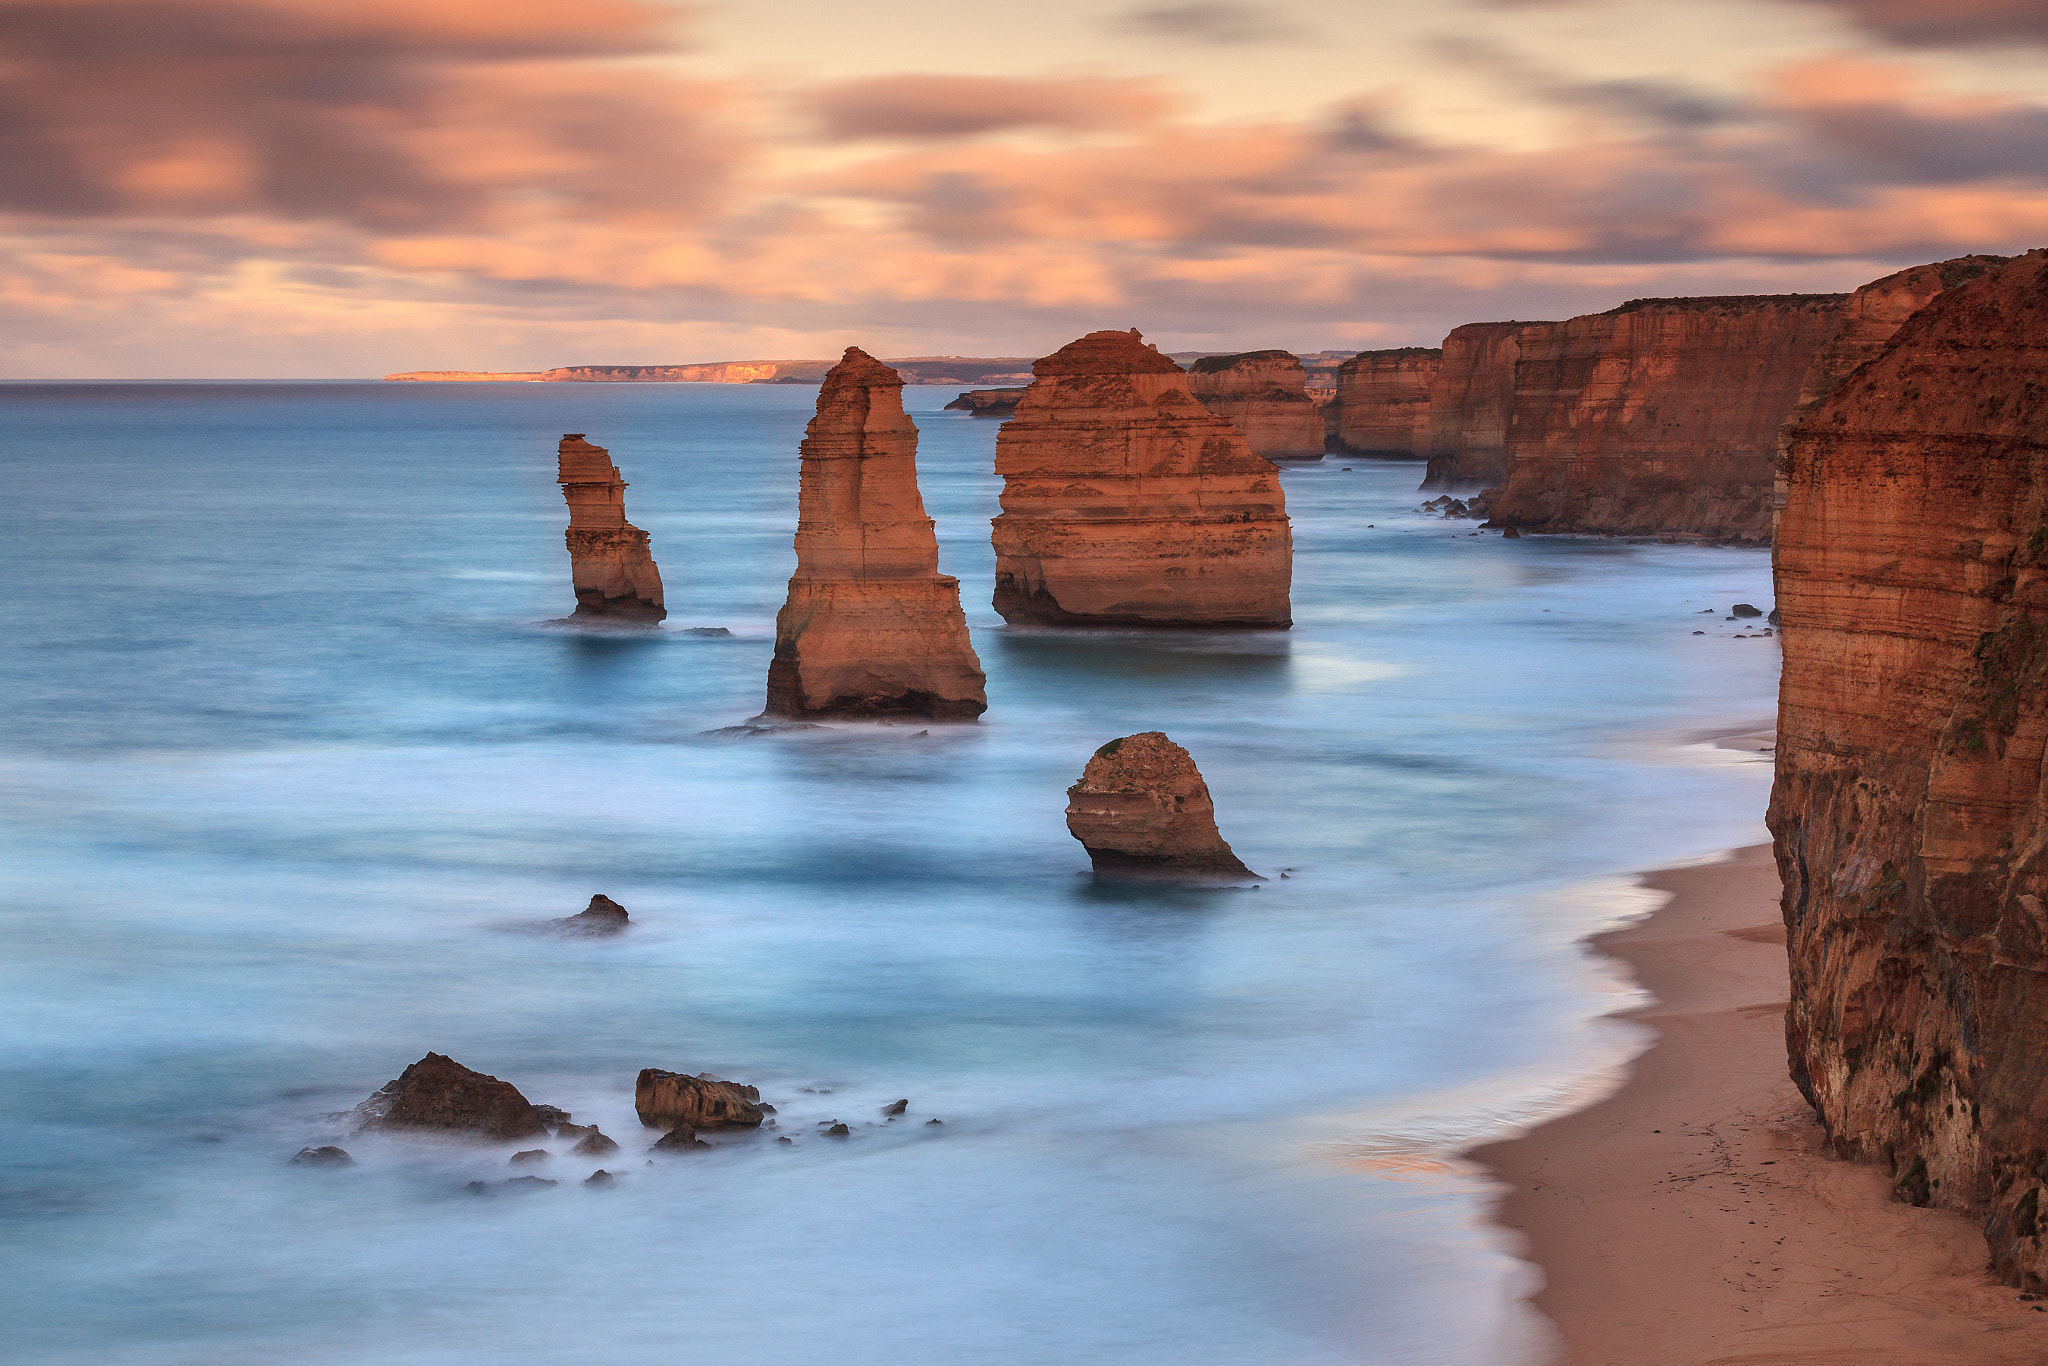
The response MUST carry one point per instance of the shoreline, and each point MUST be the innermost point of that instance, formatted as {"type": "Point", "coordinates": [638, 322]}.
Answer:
{"type": "Point", "coordinates": [1696, 1215]}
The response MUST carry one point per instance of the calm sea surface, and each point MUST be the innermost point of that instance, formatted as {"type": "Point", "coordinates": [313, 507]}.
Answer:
{"type": "Point", "coordinates": [291, 757]}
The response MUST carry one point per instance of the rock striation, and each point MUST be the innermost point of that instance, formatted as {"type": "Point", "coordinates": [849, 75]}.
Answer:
{"type": "Point", "coordinates": [1469, 403]}
{"type": "Point", "coordinates": [615, 576]}
{"type": "Point", "coordinates": [439, 1095]}
{"type": "Point", "coordinates": [1908, 809]}
{"type": "Point", "coordinates": [1127, 503]}
{"type": "Point", "coordinates": [870, 627]}
{"type": "Point", "coordinates": [1141, 807]}
{"type": "Point", "coordinates": [1382, 402]}
{"type": "Point", "coordinates": [666, 1100]}
{"type": "Point", "coordinates": [1659, 416]}
{"type": "Point", "coordinates": [1265, 396]}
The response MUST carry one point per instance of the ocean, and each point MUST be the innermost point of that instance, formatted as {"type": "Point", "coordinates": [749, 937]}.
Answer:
{"type": "Point", "coordinates": [295, 761]}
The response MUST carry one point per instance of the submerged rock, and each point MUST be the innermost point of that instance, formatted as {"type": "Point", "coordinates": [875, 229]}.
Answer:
{"type": "Point", "coordinates": [896, 1107]}
{"type": "Point", "coordinates": [681, 1139]}
{"type": "Point", "coordinates": [601, 917]}
{"type": "Point", "coordinates": [531, 1157]}
{"type": "Point", "coordinates": [667, 1099]}
{"type": "Point", "coordinates": [1141, 807]}
{"type": "Point", "coordinates": [614, 572]}
{"type": "Point", "coordinates": [439, 1095]}
{"type": "Point", "coordinates": [600, 1178]}
{"type": "Point", "coordinates": [329, 1156]}
{"type": "Point", "coordinates": [594, 1144]}
{"type": "Point", "coordinates": [870, 627]}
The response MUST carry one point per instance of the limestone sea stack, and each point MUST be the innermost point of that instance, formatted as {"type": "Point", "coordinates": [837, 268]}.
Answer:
{"type": "Point", "coordinates": [871, 627]}
{"type": "Point", "coordinates": [1912, 571]}
{"type": "Point", "coordinates": [1265, 396]}
{"type": "Point", "coordinates": [1382, 403]}
{"type": "Point", "coordinates": [1469, 403]}
{"type": "Point", "coordinates": [1141, 807]}
{"type": "Point", "coordinates": [1660, 416]}
{"type": "Point", "coordinates": [615, 576]}
{"type": "Point", "coordinates": [1127, 503]}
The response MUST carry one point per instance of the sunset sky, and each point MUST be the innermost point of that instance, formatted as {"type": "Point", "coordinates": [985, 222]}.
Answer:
{"type": "Point", "coordinates": [273, 188]}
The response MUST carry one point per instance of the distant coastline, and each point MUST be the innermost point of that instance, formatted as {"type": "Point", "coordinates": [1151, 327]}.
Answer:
{"type": "Point", "coordinates": [975, 372]}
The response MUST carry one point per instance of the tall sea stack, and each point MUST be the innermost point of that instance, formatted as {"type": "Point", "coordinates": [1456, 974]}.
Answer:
{"type": "Point", "coordinates": [1469, 402]}
{"type": "Point", "coordinates": [1127, 503]}
{"type": "Point", "coordinates": [871, 627]}
{"type": "Point", "coordinates": [1659, 416]}
{"type": "Point", "coordinates": [614, 575]}
{"type": "Point", "coordinates": [1912, 567]}
{"type": "Point", "coordinates": [1265, 396]}
{"type": "Point", "coordinates": [1382, 403]}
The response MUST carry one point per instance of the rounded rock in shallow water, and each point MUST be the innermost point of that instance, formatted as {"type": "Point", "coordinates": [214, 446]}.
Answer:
{"type": "Point", "coordinates": [530, 1157]}
{"type": "Point", "coordinates": [594, 1144]}
{"type": "Point", "coordinates": [1141, 808]}
{"type": "Point", "coordinates": [838, 1131]}
{"type": "Point", "coordinates": [896, 1107]}
{"type": "Point", "coordinates": [329, 1156]}
{"type": "Point", "coordinates": [681, 1139]}
{"type": "Point", "coordinates": [600, 1178]}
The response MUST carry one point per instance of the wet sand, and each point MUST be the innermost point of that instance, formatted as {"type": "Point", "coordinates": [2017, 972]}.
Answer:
{"type": "Point", "coordinates": [1696, 1216]}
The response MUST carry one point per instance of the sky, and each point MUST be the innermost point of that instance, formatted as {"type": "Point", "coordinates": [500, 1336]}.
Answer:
{"type": "Point", "coordinates": [335, 188]}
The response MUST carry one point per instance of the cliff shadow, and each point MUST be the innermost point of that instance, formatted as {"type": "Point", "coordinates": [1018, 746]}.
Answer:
{"type": "Point", "coordinates": [1170, 656]}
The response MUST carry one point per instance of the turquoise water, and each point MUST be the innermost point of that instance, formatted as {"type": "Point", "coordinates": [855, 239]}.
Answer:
{"type": "Point", "coordinates": [292, 757]}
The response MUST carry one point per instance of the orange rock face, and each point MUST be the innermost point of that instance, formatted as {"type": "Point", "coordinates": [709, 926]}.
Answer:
{"type": "Point", "coordinates": [1127, 503]}
{"type": "Point", "coordinates": [614, 574]}
{"type": "Point", "coordinates": [1469, 403]}
{"type": "Point", "coordinates": [871, 627]}
{"type": "Point", "coordinates": [1659, 416]}
{"type": "Point", "coordinates": [1265, 396]}
{"type": "Point", "coordinates": [1908, 808]}
{"type": "Point", "coordinates": [1141, 807]}
{"type": "Point", "coordinates": [1382, 403]}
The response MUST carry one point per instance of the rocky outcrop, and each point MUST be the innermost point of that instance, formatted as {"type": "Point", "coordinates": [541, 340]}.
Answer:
{"type": "Point", "coordinates": [1659, 416]}
{"type": "Point", "coordinates": [1912, 568]}
{"type": "Point", "coordinates": [1127, 503]}
{"type": "Point", "coordinates": [987, 402]}
{"type": "Point", "coordinates": [1469, 403]}
{"type": "Point", "coordinates": [439, 1095]}
{"type": "Point", "coordinates": [615, 575]}
{"type": "Point", "coordinates": [666, 1100]}
{"type": "Point", "coordinates": [1265, 396]}
{"type": "Point", "coordinates": [603, 916]}
{"type": "Point", "coordinates": [870, 627]}
{"type": "Point", "coordinates": [1382, 403]}
{"type": "Point", "coordinates": [1141, 807]}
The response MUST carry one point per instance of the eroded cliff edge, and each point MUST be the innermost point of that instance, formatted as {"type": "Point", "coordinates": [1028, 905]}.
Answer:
{"type": "Point", "coordinates": [1265, 396]}
{"type": "Point", "coordinates": [1382, 403]}
{"type": "Point", "coordinates": [1912, 567]}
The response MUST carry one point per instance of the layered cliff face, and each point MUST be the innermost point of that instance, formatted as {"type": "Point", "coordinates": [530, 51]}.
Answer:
{"type": "Point", "coordinates": [1659, 416]}
{"type": "Point", "coordinates": [1908, 808]}
{"type": "Point", "coordinates": [1127, 503]}
{"type": "Point", "coordinates": [1141, 807]}
{"type": "Point", "coordinates": [870, 627]}
{"type": "Point", "coordinates": [1265, 396]}
{"type": "Point", "coordinates": [1382, 402]}
{"type": "Point", "coordinates": [614, 574]}
{"type": "Point", "coordinates": [1469, 403]}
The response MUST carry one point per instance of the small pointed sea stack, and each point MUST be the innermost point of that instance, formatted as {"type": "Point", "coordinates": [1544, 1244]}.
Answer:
{"type": "Point", "coordinates": [1127, 503]}
{"type": "Point", "coordinates": [1265, 396]}
{"type": "Point", "coordinates": [871, 627]}
{"type": "Point", "coordinates": [614, 574]}
{"type": "Point", "coordinates": [1141, 807]}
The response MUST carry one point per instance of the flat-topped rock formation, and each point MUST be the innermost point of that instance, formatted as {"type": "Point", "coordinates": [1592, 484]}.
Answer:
{"type": "Point", "coordinates": [1382, 402]}
{"type": "Point", "coordinates": [609, 562]}
{"type": "Point", "coordinates": [665, 1100]}
{"type": "Point", "coordinates": [439, 1095]}
{"type": "Point", "coordinates": [870, 627]}
{"type": "Point", "coordinates": [1265, 396]}
{"type": "Point", "coordinates": [1141, 807]}
{"type": "Point", "coordinates": [1469, 403]}
{"type": "Point", "coordinates": [1912, 568]}
{"type": "Point", "coordinates": [987, 402]}
{"type": "Point", "coordinates": [1659, 416]}
{"type": "Point", "coordinates": [1127, 503]}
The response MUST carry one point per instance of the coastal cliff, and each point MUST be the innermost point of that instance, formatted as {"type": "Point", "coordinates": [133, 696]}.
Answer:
{"type": "Point", "coordinates": [1469, 403]}
{"type": "Point", "coordinates": [1265, 396]}
{"type": "Point", "coordinates": [1127, 503]}
{"type": "Point", "coordinates": [1660, 416]}
{"type": "Point", "coordinates": [1912, 567]}
{"type": "Point", "coordinates": [609, 561]}
{"type": "Point", "coordinates": [1382, 402]}
{"type": "Point", "coordinates": [870, 627]}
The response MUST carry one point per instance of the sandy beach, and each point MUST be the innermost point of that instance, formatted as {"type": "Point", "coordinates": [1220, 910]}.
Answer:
{"type": "Point", "coordinates": [1696, 1215]}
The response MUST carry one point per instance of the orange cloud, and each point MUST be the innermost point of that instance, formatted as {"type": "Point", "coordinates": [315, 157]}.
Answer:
{"type": "Point", "coordinates": [923, 106]}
